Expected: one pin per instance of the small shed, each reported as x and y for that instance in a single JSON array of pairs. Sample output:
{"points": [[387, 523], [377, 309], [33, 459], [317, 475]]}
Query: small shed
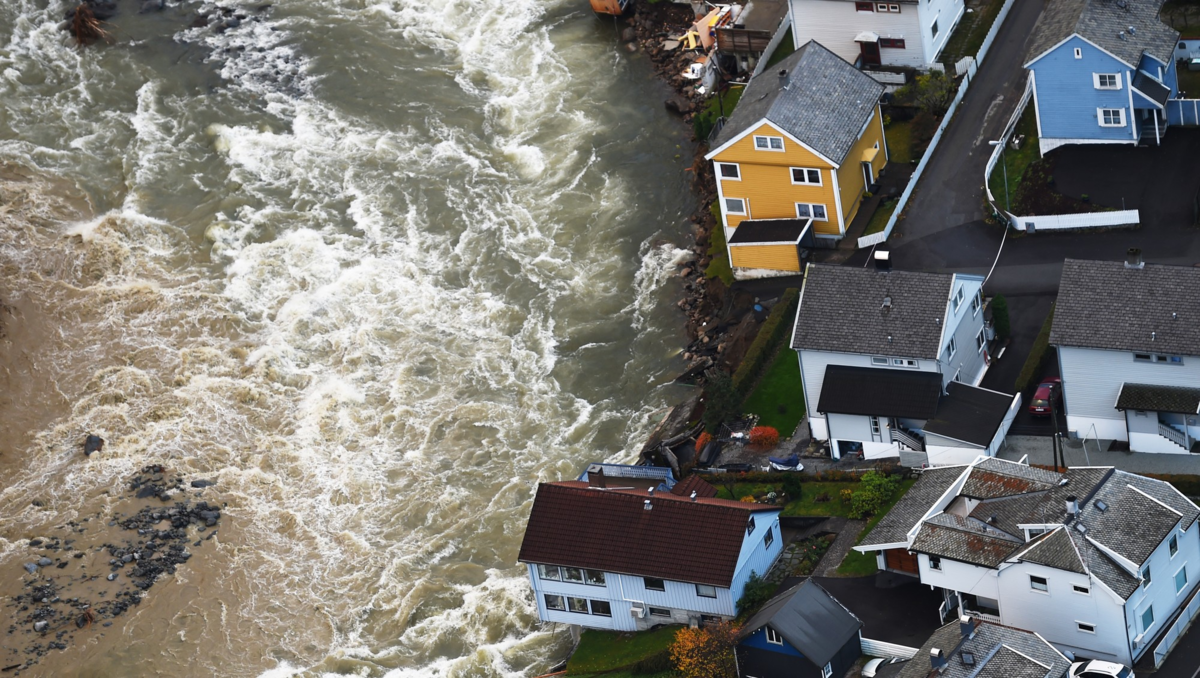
{"points": [[803, 632]]}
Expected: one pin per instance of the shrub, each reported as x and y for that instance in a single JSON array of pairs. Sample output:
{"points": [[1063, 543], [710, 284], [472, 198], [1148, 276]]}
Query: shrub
{"points": [[873, 491], [932, 91], [770, 335], [846, 496], [721, 401], [793, 484], [1000, 316], [718, 266], [924, 126], [1032, 369], [706, 652], [704, 439], [748, 499], [757, 592], [764, 436]]}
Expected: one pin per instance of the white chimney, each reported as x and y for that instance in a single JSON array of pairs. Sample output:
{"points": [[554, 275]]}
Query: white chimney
{"points": [[1072, 506], [692, 496], [646, 505]]}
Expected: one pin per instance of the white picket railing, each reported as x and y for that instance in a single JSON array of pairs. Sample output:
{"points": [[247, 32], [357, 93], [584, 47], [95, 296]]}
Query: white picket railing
{"points": [[973, 67], [1061, 222], [1173, 634], [878, 648]]}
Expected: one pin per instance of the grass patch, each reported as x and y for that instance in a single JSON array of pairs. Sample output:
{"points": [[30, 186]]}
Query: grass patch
{"points": [[1032, 369], [1182, 15], [786, 47], [806, 505], [899, 141], [778, 399], [601, 651], [969, 34], [857, 564], [703, 122], [719, 266], [880, 218], [1016, 161], [1189, 83]]}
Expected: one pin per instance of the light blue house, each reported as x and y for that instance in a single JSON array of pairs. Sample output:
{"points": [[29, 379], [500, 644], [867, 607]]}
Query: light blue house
{"points": [[617, 552], [1103, 72]]}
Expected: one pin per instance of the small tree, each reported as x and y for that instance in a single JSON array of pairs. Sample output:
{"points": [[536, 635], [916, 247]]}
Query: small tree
{"points": [[764, 436], [933, 92], [873, 491], [1000, 316], [721, 401], [704, 439], [757, 592], [706, 652]]}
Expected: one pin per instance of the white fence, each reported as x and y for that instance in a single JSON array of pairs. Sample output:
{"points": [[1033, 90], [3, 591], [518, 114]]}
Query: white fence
{"points": [[886, 77], [1173, 634], [878, 648], [1060, 222], [973, 67]]}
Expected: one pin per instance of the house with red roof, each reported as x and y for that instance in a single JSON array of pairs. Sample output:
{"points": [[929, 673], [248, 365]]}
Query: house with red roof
{"points": [[610, 552]]}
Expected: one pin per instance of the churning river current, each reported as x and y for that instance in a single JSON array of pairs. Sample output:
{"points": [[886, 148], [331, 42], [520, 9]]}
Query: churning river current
{"points": [[376, 267]]}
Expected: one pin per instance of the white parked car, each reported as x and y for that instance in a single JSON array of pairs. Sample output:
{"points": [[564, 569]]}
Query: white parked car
{"points": [[1098, 669], [873, 666]]}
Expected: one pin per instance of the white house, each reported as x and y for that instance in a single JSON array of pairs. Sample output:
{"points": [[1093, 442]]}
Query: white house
{"points": [[1128, 339], [1097, 561], [897, 33], [891, 360], [615, 551]]}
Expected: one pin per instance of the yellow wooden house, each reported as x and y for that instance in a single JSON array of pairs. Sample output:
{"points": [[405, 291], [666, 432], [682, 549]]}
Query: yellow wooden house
{"points": [[796, 158]]}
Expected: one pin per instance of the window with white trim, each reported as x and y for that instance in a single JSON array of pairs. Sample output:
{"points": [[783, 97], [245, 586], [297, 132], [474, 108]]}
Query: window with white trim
{"points": [[880, 361], [1078, 53], [1039, 584], [1181, 579], [976, 303], [827, 670], [1086, 628], [934, 29], [554, 602], [812, 211], [980, 341], [935, 562], [1173, 545], [951, 348], [735, 206], [769, 539], [706, 591], [1146, 577], [905, 362], [750, 526], [773, 637], [806, 176], [768, 143], [729, 171], [1147, 619], [1111, 117], [1106, 80], [958, 298]]}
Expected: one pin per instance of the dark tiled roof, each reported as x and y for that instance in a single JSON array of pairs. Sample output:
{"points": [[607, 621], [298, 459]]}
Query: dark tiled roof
{"points": [[1007, 513], [893, 528], [969, 414], [1159, 398], [571, 524], [999, 651], [694, 483], [769, 230], [822, 101], [1012, 468], [1082, 483], [1101, 22], [1054, 549], [985, 484], [965, 545], [1102, 304], [1158, 92], [810, 619], [1165, 493], [875, 391], [1104, 568], [841, 309], [1132, 525]]}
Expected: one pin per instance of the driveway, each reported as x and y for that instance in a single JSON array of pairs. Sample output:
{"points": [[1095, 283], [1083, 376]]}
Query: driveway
{"points": [[893, 608]]}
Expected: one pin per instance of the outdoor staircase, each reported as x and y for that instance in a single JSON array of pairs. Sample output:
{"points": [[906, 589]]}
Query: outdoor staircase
{"points": [[1148, 138], [1174, 435], [907, 439]]}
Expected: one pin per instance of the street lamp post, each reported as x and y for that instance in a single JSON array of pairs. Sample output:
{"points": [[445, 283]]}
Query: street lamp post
{"points": [[1004, 162]]}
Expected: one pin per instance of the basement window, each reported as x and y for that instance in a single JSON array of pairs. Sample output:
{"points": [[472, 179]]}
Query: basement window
{"points": [[1086, 628]]}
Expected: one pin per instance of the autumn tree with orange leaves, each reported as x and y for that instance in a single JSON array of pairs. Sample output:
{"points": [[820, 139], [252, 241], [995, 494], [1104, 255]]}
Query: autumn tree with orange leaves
{"points": [[706, 652]]}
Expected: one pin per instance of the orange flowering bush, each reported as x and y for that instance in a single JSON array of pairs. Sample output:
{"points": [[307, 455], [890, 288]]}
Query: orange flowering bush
{"points": [[706, 652], [764, 436], [704, 439]]}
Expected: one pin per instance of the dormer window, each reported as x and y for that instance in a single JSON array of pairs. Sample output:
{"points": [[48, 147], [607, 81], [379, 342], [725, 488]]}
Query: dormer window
{"points": [[768, 143], [750, 526]]}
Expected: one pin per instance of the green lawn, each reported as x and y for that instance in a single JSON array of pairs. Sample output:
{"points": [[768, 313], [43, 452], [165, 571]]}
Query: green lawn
{"points": [[857, 564], [778, 399], [601, 651], [968, 36], [806, 505], [899, 141], [880, 218], [785, 48], [719, 266], [1016, 161]]}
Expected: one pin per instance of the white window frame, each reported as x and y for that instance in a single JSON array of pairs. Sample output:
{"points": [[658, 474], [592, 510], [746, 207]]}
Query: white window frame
{"points": [[952, 348], [745, 212], [1173, 545], [736, 168], [792, 173], [976, 303], [770, 538], [773, 636], [935, 563], [933, 29], [959, 296], [887, 7], [1078, 53], [1147, 579], [1098, 78], [1182, 570], [706, 587], [770, 143], [875, 361], [1081, 590], [1033, 586], [811, 211], [980, 341], [1085, 627], [654, 612], [1142, 619], [906, 363], [827, 670], [1120, 117]]}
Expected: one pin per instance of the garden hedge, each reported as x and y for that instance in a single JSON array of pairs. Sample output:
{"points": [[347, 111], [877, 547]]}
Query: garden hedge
{"points": [[1033, 364], [772, 332]]}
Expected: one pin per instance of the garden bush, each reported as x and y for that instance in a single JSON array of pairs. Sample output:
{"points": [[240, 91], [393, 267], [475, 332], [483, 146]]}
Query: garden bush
{"points": [[769, 336], [793, 484], [757, 592], [1000, 316], [874, 490], [721, 401], [706, 652], [704, 439], [822, 498], [764, 436], [1032, 369]]}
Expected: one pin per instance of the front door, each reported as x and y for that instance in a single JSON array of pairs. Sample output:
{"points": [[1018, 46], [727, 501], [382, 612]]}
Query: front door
{"points": [[868, 176], [901, 560], [870, 53]]}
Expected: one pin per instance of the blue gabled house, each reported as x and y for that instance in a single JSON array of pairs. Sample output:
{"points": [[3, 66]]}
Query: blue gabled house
{"points": [[1102, 72], [803, 632]]}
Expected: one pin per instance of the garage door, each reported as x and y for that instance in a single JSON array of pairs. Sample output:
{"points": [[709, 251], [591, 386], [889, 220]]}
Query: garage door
{"points": [[902, 560]]}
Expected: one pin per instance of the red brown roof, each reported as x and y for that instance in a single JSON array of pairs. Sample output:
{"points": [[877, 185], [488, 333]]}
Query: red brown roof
{"points": [[695, 484], [679, 539]]}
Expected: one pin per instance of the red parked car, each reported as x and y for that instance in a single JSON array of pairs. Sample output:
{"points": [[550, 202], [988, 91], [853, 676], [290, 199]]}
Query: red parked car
{"points": [[1048, 393]]}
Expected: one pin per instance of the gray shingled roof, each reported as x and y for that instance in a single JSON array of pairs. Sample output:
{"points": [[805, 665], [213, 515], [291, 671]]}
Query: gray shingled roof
{"points": [[1103, 304], [1155, 398], [822, 101], [1008, 513], [1054, 549], [1133, 525], [938, 538], [893, 528], [1104, 568], [1000, 652], [987, 484], [841, 309], [1166, 493], [1101, 22], [1012, 468], [810, 619]]}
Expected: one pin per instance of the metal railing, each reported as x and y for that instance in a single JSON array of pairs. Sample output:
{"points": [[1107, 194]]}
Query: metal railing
{"points": [[1174, 435], [907, 439], [1173, 634]]}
